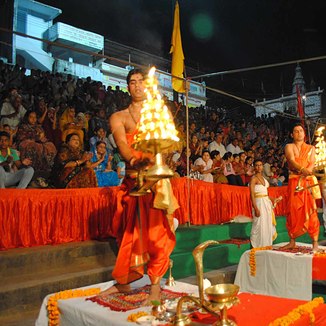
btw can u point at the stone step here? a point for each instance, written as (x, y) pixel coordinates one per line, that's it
(215, 258)
(222, 275)
(27, 275)
(34, 289)
(27, 314)
(22, 261)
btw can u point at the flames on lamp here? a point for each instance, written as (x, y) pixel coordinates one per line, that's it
(155, 133)
(156, 126)
(320, 146)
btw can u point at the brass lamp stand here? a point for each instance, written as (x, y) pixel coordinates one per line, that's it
(146, 178)
(170, 280)
(220, 296)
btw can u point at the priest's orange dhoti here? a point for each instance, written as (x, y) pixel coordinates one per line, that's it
(144, 231)
(302, 210)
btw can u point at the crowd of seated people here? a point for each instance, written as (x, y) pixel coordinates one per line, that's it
(60, 124)
(226, 153)
(45, 113)
(72, 167)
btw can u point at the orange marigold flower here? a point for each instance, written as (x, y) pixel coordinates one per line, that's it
(52, 306)
(252, 258)
(298, 312)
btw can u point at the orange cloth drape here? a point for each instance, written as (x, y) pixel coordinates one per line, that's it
(217, 203)
(258, 310)
(33, 217)
(319, 268)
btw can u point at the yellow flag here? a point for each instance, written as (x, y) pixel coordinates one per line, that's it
(177, 53)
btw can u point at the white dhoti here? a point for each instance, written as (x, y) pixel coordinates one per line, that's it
(263, 230)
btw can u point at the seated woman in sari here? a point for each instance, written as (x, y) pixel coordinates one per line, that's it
(47, 118)
(69, 124)
(72, 166)
(181, 163)
(218, 175)
(205, 166)
(195, 148)
(249, 169)
(228, 170)
(32, 143)
(119, 167)
(101, 163)
(238, 167)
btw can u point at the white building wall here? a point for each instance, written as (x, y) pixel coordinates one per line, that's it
(312, 105)
(76, 69)
(30, 49)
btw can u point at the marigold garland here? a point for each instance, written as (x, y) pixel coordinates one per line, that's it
(52, 306)
(298, 312)
(320, 254)
(252, 258)
(133, 317)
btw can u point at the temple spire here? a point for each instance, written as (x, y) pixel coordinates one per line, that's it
(298, 80)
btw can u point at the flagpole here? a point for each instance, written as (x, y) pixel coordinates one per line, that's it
(180, 83)
(187, 84)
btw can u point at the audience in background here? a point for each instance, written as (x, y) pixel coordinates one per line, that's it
(218, 174)
(205, 166)
(66, 105)
(102, 165)
(228, 170)
(99, 135)
(12, 111)
(120, 166)
(32, 143)
(13, 170)
(47, 118)
(72, 167)
(69, 125)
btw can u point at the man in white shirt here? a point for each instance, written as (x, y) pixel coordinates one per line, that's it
(13, 170)
(12, 112)
(267, 173)
(217, 145)
(233, 147)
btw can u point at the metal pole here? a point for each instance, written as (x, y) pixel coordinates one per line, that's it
(187, 84)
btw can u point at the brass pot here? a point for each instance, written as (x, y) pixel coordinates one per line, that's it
(221, 293)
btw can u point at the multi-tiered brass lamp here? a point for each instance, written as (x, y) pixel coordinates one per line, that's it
(320, 162)
(156, 133)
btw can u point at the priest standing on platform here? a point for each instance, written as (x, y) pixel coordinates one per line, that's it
(302, 211)
(145, 235)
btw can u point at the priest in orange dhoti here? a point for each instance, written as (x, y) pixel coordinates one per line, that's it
(302, 211)
(144, 231)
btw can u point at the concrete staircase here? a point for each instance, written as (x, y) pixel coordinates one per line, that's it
(27, 275)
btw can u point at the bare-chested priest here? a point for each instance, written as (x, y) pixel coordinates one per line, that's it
(302, 211)
(144, 234)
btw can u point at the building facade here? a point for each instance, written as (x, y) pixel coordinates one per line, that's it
(39, 43)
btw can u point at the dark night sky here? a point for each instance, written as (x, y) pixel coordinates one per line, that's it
(217, 35)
